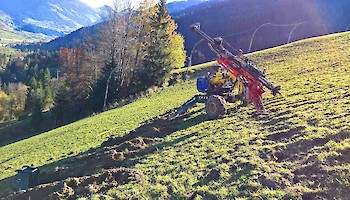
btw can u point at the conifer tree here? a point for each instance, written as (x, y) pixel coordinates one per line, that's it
(35, 95)
(156, 61)
(36, 116)
(61, 100)
(47, 88)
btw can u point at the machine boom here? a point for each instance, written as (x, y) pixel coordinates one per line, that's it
(234, 63)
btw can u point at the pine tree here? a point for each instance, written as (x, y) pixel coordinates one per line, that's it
(156, 62)
(47, 88)
(62, 97)
(34, 95)
(37, 115)
(36, 70)
(33, 84)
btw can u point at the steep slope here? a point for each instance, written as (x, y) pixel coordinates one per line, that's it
(299, 151)
(10, 35)
(79, 36)
(6, 28)
(50, 17)
(237, 20)
(178, 6)
(5, 20)
(72, 40)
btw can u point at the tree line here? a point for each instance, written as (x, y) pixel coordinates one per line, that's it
(134, 50)
(25, 81)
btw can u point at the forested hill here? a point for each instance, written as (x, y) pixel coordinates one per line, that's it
(72, 40)
(178, 6)
(80, 36)
(238, 19)
(50, 17)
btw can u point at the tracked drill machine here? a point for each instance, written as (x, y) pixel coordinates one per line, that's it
(236, 80)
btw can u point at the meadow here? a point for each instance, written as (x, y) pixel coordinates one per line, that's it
(300, 151)
(8, 51)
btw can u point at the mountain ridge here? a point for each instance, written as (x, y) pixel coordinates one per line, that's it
(218, 19)
(50, 17)
(179, 6)
(237, 20)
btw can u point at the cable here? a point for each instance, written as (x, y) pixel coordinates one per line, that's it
(247, 31)
(270, 24)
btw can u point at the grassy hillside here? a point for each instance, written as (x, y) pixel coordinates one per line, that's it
(88, 133)
(8, 50)
(299, 151)
(243, 17)
(9, 35)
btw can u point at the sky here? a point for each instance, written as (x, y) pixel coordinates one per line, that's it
(99, 3)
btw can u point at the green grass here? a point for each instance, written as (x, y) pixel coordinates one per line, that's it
(299, 151)
(194, 68)
(87, 133)
(9, 36)
(8, 51)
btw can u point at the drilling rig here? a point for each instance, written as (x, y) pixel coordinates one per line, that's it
(237, 79)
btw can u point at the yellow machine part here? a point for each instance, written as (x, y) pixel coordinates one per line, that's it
(222, 76)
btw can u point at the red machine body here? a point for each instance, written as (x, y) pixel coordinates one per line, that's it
(255, 88)
(254, 78)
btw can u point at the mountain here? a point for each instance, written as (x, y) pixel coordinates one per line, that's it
(5, 20)
(237, 20)
(177, 6)
(50, 17)
(9, 34)
(76, 37)
(300, 151)
(71, 40)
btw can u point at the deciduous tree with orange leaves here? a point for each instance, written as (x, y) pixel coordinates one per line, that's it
(76, 84)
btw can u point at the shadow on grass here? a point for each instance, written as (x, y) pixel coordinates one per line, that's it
(240, 171)
(125, 151)
(295, 148)
(15, 131)
(294, 151)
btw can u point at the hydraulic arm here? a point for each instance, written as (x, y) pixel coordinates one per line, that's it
(219, 88)
(255, 78)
